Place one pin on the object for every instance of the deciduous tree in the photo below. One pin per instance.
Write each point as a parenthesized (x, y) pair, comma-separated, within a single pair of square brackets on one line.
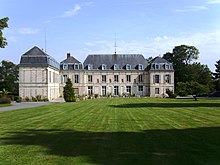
[(3, 24)]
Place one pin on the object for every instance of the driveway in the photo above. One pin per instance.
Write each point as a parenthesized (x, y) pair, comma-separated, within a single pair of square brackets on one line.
[(22, 105)]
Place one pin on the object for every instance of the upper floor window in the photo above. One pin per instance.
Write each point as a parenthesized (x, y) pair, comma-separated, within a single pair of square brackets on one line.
[(90, 66), (76, 66), (128, 78), (89, 78), (140, 67), (104, 66), (115, 78), (157, 66), (128, 67), (167, 66), (156, 78), (103, 78), (140, 78), (167, 78), (65, 66), (76, 78), (116, 67)]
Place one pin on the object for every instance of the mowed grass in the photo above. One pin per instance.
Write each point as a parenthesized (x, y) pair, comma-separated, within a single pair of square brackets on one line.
[(113, 131)]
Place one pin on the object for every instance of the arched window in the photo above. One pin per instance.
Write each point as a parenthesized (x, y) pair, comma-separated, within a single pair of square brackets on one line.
[(116, 67), (104, 66), (128, 67), (140, 67)]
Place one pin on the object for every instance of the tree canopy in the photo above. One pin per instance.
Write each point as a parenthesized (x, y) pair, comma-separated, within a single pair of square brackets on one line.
[(191, 77), (9, 76), (217, 76), (3, 24)]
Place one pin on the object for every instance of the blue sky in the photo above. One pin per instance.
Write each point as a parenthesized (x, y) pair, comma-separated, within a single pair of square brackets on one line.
[(148, 27)]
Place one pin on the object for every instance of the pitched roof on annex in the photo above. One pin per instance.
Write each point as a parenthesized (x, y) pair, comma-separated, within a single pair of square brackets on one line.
[(37, 57), (110, 60)]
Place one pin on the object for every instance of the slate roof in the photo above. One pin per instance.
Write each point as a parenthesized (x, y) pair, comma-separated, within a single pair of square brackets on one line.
[(111, 59), (70, 60), (37, 57), (159, 63)]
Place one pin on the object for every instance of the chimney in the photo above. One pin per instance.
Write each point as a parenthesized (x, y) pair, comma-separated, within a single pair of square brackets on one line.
[(68, 55)]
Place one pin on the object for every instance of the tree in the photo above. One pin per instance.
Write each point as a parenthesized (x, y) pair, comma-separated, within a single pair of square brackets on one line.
[(9, 76), (181, 57), (191, 88), (217, 76), (3, 24), (68, 92)]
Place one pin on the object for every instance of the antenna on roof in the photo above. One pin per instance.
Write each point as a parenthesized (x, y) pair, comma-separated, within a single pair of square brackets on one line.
[(45, 39), (115, 44)]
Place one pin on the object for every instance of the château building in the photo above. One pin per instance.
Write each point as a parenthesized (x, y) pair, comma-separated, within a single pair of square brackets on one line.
[(102, 74)]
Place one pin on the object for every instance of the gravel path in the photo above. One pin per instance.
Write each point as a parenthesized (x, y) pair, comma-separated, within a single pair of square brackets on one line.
[(22, 105)]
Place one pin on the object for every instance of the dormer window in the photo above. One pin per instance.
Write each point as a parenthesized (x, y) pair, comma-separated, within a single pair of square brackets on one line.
[(167, 66), (116, 67), (104, 66), (76, 66), (90, 66), (128, 67), (157, 66), (140, 67), (65, 66)]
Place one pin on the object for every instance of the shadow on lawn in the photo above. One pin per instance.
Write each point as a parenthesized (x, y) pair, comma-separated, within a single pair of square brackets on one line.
[(166, 105), (187, 146)]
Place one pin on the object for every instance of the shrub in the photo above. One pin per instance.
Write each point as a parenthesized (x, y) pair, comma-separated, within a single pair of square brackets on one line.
[(18, 99), (171, 94), (26, 99), (5, 100), (68, 92)]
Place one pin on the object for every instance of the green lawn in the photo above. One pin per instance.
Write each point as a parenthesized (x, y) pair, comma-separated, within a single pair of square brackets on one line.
[(113, 131)]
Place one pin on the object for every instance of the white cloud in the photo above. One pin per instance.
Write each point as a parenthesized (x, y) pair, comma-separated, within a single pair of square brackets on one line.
[(28, 31), (213, 1), (73, 11), (207, 43), (192, 9)]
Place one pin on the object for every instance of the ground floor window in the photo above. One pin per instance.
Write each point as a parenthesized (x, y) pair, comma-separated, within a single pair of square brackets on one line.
[(103, 90), (128, 89), (90, 90), (116, 90), (140, 88), (157, 90)]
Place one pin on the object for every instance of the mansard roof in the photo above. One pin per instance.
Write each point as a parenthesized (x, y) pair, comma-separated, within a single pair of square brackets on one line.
[(109, 60), (37, 57), (159, 63)]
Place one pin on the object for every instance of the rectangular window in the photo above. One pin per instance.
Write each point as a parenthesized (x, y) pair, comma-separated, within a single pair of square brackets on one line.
[(90, 90), (156, 78), (116, 90), (157, 90), (103, 78), (167, 78), (103, 90), (89, 78), (76, 78), (50, 77), (115, 78), (128, 78), (76, 66), (64, 78), (140, 78), (128, 89), (140, 88)]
